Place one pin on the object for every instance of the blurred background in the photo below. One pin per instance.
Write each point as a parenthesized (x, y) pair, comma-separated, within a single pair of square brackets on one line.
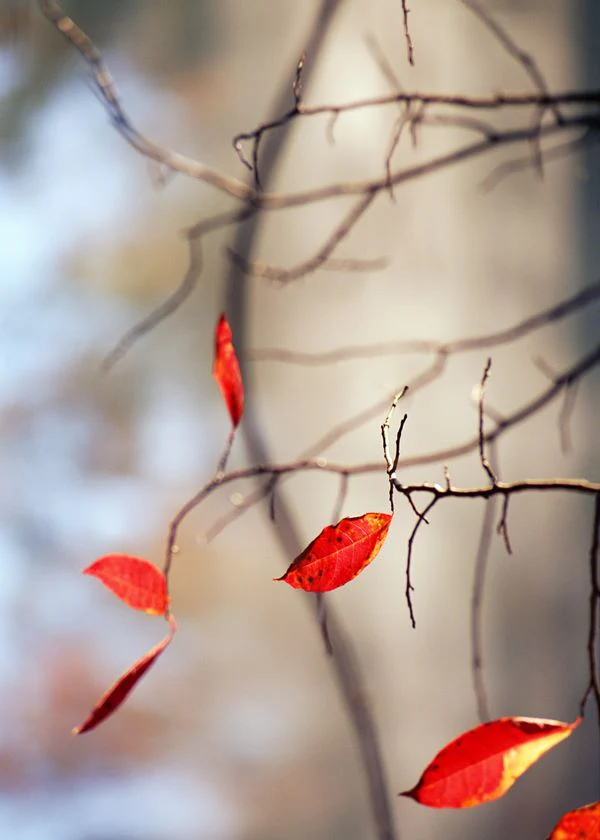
[(239, 731)]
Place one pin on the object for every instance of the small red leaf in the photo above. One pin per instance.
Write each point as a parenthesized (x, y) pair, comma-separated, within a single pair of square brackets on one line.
[(135, 581), (482, 764), (226, 371), (581, 824), (116, 694), (339, 553)]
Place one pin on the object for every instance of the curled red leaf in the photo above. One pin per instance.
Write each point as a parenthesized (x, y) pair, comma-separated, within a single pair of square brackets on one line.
[(135, 581), (226, 371), (581, 824), (117, 693), (339, 553), (482, 764)]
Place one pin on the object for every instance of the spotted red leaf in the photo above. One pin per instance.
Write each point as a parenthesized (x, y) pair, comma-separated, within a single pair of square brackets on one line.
[(482, 764), (581, 824), (339, 553), (116, 694), (226, 371), (135, 581)]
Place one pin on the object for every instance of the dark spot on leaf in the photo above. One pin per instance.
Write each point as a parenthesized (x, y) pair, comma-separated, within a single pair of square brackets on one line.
[(320, 572), (310, 579)]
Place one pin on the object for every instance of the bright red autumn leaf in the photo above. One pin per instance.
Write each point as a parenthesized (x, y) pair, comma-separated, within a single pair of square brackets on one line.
[(581, 824), (339, 553), (226, 371), (135, 581), (482, 764), (116, 694)]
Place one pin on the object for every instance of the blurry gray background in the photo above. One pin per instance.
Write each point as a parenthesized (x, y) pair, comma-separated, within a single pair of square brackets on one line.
[(239, 731)]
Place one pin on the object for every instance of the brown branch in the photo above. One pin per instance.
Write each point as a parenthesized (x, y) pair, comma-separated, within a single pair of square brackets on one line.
[(177, 163), (564, 418), (392, 465), (309, 457), (462, 345), (477, 592), (551, 154), (593, 687), (344, 665), (370, 189), (107, 91), (436, 491), (407, 38), (566, 379), (525, 59), (502, 527), (185, 289), (497, 102), (283, 275), (238, 190), (482, 454), (170, 305), (409, 588)]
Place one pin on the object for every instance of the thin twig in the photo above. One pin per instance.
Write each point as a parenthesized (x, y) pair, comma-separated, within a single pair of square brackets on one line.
[(166, 308), (502, 527), (528, 410), (385, 431), (564, 417), (593, 687), (477, 593), (409, 43), (288, 275), (525, 59), (506, 335), (409, 588), (482, 454)]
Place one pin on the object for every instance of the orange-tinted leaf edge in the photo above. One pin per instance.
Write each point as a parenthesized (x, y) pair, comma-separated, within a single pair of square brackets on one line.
[(581, 824), (483, 763)]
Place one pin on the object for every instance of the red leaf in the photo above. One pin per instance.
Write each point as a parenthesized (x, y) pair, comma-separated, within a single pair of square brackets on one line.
[(116, 694), (482, 764), (339, 553), (226, 371), (582, 824), (135, 581)]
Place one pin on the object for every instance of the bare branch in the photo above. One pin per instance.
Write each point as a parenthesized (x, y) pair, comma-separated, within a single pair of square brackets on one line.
[(502, 527), (385, 429), (283, 275), (462, 345), (477, 593), (550, 154), (523, 58), (409, 588), (166, 308), (309, 459), (593, 687), (482, 456), (531, 408), (409, 43), (194, 169), (108, 93)]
